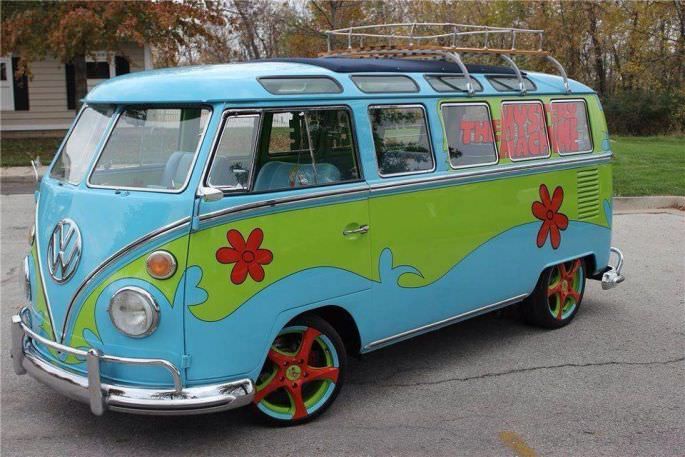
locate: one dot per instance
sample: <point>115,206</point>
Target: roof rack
<point>445,41</point>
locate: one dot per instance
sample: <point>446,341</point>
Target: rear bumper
<point>102,396</point>
<point>611,277</point>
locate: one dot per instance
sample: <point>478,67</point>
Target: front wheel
<point>303,372</point>
<point>557,295</point>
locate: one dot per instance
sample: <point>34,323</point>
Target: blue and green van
<point>219,236</point>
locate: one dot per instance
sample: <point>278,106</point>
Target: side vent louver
<point>588,193</point>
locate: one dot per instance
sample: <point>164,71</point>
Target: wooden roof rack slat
<point>403,41</point>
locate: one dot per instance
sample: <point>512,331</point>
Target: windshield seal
<point>196,152</point>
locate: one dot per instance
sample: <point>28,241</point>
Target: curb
<point>651,202</point>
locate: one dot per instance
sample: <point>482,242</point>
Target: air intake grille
<point>588,194</point>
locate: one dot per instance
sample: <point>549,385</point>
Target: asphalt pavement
<point>611,383</point>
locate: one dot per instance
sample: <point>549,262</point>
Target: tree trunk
<point>80,79</point>
<point>593,14</point>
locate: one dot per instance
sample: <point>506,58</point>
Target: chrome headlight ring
<point>134,312</point>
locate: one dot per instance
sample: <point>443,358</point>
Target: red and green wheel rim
<point>565,288</point>
<point>299,375</point>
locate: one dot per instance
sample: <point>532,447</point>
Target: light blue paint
<point>238,82</point>
<point>506,266</point>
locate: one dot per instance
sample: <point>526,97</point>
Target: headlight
<point>134,312</point>
<point>26,280</point>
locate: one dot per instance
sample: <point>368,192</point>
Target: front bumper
<point>102,397</point>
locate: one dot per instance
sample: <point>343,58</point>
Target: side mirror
<point>210,194</point>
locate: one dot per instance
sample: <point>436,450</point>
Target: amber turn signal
<point>161,265</point>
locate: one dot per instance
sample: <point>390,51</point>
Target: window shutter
<point>71,85</point>
<point>21,89</point>
<point>121,65</point>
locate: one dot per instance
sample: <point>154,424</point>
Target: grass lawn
<point>653,165</point>
<point>20,152</point>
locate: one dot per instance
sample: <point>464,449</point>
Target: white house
<point>44,103</point>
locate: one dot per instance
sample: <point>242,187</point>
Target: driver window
<point>232,165</point>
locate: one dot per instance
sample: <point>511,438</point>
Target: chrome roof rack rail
<point>442,40</point>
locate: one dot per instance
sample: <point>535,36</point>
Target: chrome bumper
<point>612,276</point>
<point>102,397</point>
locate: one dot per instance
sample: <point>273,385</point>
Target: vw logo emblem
<point>64,250</point>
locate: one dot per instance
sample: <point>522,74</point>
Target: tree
<point>72,31</point>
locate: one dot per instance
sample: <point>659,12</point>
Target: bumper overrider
<point>612,276</point>
<point>102,396</point>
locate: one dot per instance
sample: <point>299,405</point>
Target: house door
<point>6,88</point>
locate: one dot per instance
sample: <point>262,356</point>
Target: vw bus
<point>219,236</point>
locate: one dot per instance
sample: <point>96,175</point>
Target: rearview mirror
<point>210,194</point>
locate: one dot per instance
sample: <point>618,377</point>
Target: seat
<point>176,169</point>
<point>285,175</point>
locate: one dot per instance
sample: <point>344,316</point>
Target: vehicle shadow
<point>448,350</point>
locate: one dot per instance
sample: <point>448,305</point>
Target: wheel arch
<point>343,323</point>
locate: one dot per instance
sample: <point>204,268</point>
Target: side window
<point>524,131</point>
<point>569,129</point>
<point>232,163</point>
<point>303,148</point>
<point>470,136</point>
<point>400,135</point>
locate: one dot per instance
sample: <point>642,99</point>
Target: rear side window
<point>305,148</point>
<point>524,131</point>
<point>570,129</point>
<point>451,83</point>
<point>375,84</point>
<point>232,164</point>
<point>470,136</point>
<point>400,135</point>
<point>510,83</point>
<point>301,85</point>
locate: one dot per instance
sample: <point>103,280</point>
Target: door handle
<point>361,230</point>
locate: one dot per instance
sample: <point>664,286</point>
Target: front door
<point>289,232</point>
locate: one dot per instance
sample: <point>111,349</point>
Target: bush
<point>645,113</point>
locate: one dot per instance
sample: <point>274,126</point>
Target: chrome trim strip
<point>114,257</point>
<point>281,201</point>
<point>42,277</point>
<point>189,175</point>
<point>442,323</point>
<point>554,164</point>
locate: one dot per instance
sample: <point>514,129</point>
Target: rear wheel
<point>557,295</point>
<point>303,372</point>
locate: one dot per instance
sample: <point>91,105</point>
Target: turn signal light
<point>161,265</point>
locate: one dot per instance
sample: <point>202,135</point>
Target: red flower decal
<point>547,210</point>
<point>247,256</point>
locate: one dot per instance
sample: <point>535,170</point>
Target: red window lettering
<point>565,127</point>
<point>523,131</point>
<point>476,132</point>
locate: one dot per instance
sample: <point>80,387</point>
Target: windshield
<point>74,158</point>
<point>151,148</point>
